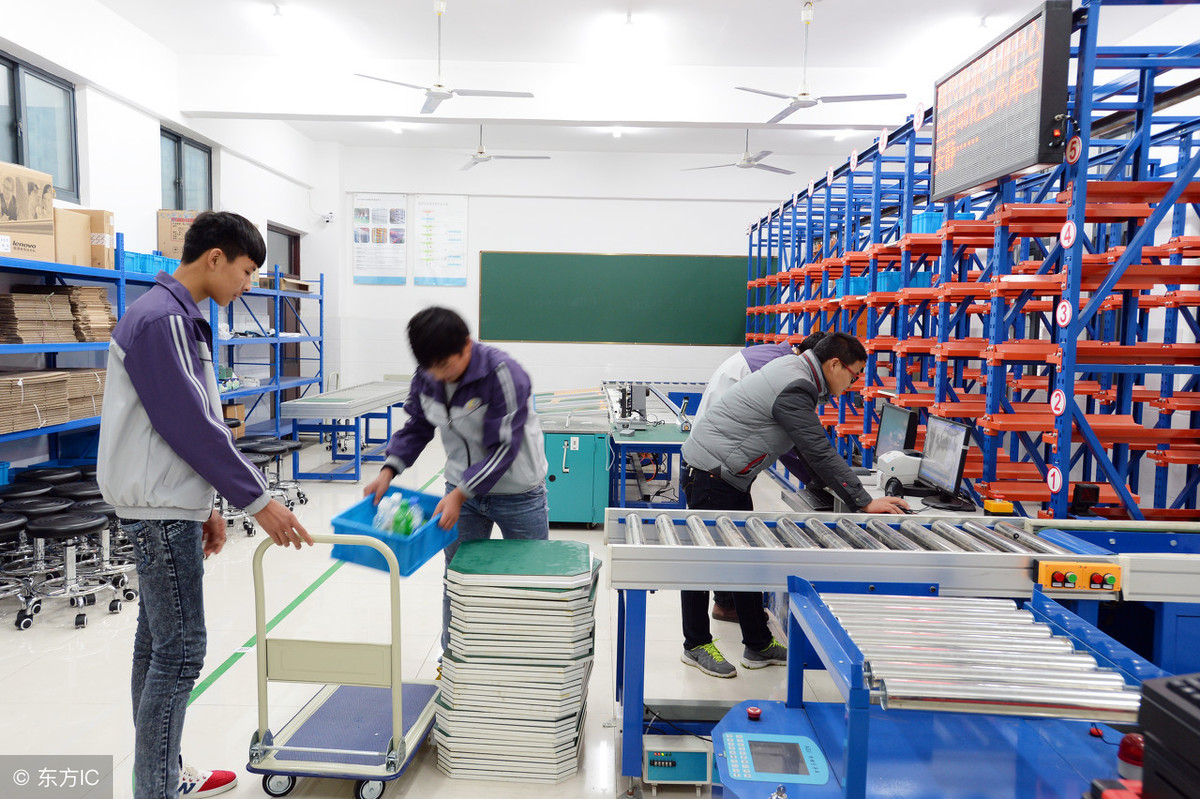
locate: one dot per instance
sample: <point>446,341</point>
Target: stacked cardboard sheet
<point>32,400</point>
<point>515,677</point>
<point>91,312</point>
<point>36,319</point>
<point>85,392</point>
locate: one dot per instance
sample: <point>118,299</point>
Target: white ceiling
<point>667,77</point>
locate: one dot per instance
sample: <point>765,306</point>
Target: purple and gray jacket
<point>164,445</point>
<point>490,431</point>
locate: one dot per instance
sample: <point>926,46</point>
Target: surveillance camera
<point>327,217</point>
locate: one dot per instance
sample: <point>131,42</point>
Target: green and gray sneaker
<point>709,660</point>
<point>774,655</point>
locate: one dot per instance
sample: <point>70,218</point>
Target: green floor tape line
<point>208,681</point>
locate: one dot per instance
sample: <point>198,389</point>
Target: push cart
<point>365,724</point>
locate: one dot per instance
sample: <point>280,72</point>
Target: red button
<point>753,713</point>
<point>1058,577</point>
<point>1097,579</point>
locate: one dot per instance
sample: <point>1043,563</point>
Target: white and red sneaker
<point>197,784</point>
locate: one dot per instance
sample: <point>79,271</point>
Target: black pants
<point>705,491</point>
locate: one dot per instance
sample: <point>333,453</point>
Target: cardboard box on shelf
<point>172,227</point>
<point>104,238</point>
<point>26,213</point>
<point>72,238</point>
<point>236,410</point>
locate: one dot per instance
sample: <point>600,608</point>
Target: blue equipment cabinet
<point>577,479</point>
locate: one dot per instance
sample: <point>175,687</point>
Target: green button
<point>1071,577</point>
<point>1110,579</point>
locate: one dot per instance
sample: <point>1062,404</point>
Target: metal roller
<point>701,537</point>
<point>633,530</point>
<point>994,614</point>
<point>886,653</point>
<point>795,537</point>
<point>957,536</point>
<point>948,603</point>
<point>1100,680</point>
<point>857,537</point>
<point>926,539</point>
<point>1017,534</point>
<point>946,628</point>
<point>1011,700</point>
<point>821,533</point>
<point>960,641</point>
<point>733,537</point>
<point>762,534</point>
<point>995,539</point>
<point>666,531</point>
<point>890,538</point>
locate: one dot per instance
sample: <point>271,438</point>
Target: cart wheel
<point>89,600</point>
<point>81,620</point>
<point>35,607</point>
<point>129,594</point>
<point>114,606</point>
<point>278,784</point>
<point>368,789</point>
<point>24,620</point>
<point>120,580</point>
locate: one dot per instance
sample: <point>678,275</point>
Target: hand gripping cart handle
<point>363,702</point>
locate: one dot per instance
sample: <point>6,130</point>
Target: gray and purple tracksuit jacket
<point>490,431</point>
<point>164,444</point>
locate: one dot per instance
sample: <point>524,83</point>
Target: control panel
<point>676,759</point>
<point>775,758</point>
<point>1059,575</point>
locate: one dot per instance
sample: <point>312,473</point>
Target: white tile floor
<point>66,691</point>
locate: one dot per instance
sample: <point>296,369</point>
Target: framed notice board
<point>639,299</point>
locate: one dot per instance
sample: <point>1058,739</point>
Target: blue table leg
<point>633,667</point>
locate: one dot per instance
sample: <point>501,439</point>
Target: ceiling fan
<point>748,161</point>
<point>438,92</point>
<point>804,99</point>
<point>481,156</point>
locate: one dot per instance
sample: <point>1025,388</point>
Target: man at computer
<point>742,433</point>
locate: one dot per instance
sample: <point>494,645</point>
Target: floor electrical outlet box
<point>676,760</point>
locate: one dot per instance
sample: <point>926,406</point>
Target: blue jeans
<point>524,516</point>
<point>168,647</point>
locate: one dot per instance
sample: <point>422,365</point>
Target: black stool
<point>70,529</point>
<point>48,474</point>
<point>276,449</point>
<point>11,528</point>
<point>87,471</point>
<point>114,565</point>
<point>293,445</point>
<point>23,490</point>
<point>231,514</point>
<point>28,561</point>
<point>77,490</point>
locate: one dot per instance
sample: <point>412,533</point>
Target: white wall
<point>577,202</point>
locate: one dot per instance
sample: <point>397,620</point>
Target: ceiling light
<point>616,132</point>
<point>278,10</point>
<point>390,125</point>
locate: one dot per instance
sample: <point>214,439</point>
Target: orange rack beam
<point>1180,401</point>
<point>1178,453</point>
<point>921,243</point>
<point>961,348</point>
<point>1131,191</point>
<point>1094,352</point>
<point>1153,514</point>
<point>1035,491</point>
<point>972,406</point>
<point>881,343</point>
<point>973,233</point>
<point>915,346</point>
<point>912,296</point>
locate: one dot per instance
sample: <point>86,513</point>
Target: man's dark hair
<point>435,334</point>
<point>809,341</point>
<point>843,346</point>
<point>233,234</point>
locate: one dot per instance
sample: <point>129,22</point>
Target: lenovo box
<point>72,238</point>
<point>26,213</point>
<point>104,238</point>
<point>172,227</point>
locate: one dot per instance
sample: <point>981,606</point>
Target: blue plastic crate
<point>887,281</point>
<point>858,287</point>
<point>411,551</point>
<point>4,473</point>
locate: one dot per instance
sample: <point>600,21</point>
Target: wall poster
<point>439,233</point>
<point>380,232</point>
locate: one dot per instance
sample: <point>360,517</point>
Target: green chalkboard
<point>641,299</point>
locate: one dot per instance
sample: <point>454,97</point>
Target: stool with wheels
<point>69,530</point>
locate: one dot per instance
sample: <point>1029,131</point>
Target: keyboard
<point>817,499</point>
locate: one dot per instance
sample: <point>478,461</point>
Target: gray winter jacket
<point>762,417</point>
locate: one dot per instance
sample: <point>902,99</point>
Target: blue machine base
<point>926,755</point>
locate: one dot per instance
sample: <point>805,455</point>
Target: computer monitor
<point>942,463</point>
<point>897,429</point>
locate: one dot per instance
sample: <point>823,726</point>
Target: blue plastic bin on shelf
<point>411,550</point>
<point>931,221</point>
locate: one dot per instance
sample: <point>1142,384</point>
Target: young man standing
<point>747,429</point>
<point>163,447</point>
<point>481,401</point>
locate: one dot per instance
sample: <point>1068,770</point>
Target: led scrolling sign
<point>995,115</point>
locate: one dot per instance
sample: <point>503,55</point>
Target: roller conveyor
<point>970,556</point>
